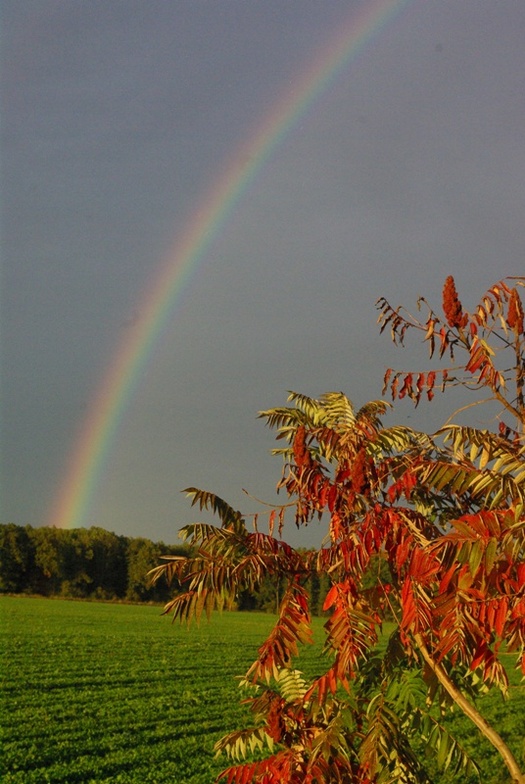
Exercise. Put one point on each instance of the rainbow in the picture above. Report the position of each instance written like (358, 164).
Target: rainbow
(98, 430)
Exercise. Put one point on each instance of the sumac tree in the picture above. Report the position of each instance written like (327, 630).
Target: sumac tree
(441, 518)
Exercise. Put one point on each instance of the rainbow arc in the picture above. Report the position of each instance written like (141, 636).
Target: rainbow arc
(99, 429)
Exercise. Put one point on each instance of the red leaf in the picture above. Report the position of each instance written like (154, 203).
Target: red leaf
(271, 522)
(408, 604)
(443, 336)
(501, 616)
(476, 358)
(406, 389)
(386, 380)
(491, 614)
(393, 492)
(281, 521)
(445, 581)
(402, 553)
(323, 495)
(332, 682)
(331, 596)
(332, 496)
(321, 689)
(479, 655)
(393, 387)
(335, 526)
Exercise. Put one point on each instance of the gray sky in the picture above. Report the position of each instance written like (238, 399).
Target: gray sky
(117, 119)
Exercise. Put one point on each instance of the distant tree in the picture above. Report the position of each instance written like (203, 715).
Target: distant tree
(108, 565)
(16, 558)
(80, 563)
(440, 521)
(142, 556)
(76, 581)
(51, 556)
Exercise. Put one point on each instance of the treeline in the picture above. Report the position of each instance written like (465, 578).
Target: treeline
(83, 563)
(92, 563)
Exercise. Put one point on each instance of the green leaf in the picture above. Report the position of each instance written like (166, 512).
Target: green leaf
(475, 557)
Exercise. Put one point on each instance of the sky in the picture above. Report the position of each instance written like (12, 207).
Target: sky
(119, 119)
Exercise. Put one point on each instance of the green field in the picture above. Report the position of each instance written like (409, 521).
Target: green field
(116, 693)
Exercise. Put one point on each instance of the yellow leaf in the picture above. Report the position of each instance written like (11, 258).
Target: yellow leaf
(490, 554)
(484, 459)
(476, 554)
(487, 348)
(474, 449)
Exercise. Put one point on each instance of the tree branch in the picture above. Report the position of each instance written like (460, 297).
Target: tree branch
(472, 712)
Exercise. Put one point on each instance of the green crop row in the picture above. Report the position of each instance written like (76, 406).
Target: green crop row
(97, 693)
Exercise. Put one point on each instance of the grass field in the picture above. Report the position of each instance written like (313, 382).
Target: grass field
(116, 693)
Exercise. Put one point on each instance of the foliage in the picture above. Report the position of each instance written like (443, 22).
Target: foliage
(16, 556)
(80, 563)
(442, 512)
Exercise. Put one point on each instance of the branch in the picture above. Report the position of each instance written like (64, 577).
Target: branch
(472, 712)
(464, 408)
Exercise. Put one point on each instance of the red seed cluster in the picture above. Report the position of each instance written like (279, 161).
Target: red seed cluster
(452, 305)
(300, 450)
(360, 482)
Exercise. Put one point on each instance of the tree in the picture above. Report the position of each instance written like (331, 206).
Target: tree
(76, 579)
(107, 566)
(442, 515)
(51, 556)
(16, 558)
(142, 555)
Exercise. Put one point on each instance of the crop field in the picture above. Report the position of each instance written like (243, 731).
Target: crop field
(115, 693)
